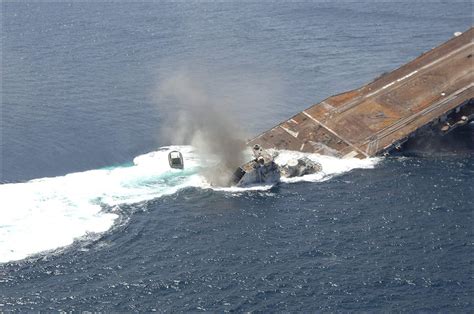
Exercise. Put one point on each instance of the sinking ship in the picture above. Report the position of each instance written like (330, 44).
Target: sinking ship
(432, 93)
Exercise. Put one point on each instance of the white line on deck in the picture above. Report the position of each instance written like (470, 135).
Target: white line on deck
(334, 133)
(418, 70)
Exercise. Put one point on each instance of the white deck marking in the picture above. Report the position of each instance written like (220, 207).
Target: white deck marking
(327, 105)
(352, 103)
(292, 133)
(405, 121)
(420, 69)
(334, 133)
(352, 154)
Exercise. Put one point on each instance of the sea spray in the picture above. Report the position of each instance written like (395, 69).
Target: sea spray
(49, 213)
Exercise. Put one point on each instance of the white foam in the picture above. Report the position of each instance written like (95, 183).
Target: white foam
(331, 166)
(49, 213)
(237, 189)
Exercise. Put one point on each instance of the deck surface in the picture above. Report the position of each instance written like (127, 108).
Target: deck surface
(369, 120)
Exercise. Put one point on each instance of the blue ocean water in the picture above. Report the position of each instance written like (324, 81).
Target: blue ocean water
(104, 226)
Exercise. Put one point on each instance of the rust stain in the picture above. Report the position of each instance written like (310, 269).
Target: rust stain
(379, 116)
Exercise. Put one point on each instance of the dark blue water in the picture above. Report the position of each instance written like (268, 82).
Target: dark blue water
(80, 85)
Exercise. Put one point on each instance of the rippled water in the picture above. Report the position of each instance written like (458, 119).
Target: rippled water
(92, 219)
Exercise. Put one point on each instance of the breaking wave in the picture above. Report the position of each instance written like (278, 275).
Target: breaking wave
(331, 166)
(49, 213)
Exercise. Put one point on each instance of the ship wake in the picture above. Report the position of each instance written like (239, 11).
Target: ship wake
(49, 213)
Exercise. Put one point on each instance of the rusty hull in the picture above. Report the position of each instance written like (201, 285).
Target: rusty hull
(383, 114)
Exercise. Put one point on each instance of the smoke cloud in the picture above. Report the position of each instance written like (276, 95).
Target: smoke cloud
(196, 116)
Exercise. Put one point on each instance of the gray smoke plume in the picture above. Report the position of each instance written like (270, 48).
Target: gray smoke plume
(198, 118)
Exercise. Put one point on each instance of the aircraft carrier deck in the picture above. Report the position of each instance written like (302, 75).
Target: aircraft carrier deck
(433, 91)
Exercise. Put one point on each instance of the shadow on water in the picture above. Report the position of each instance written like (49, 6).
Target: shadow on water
(459, 142)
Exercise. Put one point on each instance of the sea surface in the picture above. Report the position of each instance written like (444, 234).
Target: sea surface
(93, 219)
